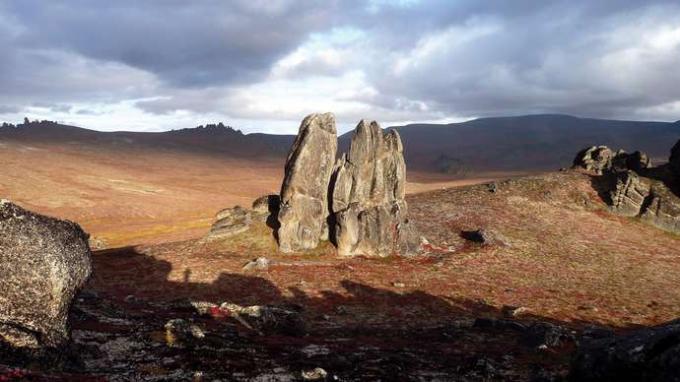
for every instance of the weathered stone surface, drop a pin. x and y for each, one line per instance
(304, 193)
(597, 159)
(650, 354)
(229, 222)
(662, 209)
(371, 215)
(43, 262)
(266, 204)
(636, 161)
(629, 195)
(601, 159)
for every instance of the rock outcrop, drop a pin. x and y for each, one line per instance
(674, 160)
(230, 222)
(370, 212)
(630, 193)
(597, 159)
(304, 193)
(601, 159)
(636, 189)
(650, 354)
(43, 263)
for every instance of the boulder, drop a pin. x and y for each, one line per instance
(368, 189)
(230, 222)
(304, 193)
(601, 159)
(43, 262)
(650, 354)
(597, 159)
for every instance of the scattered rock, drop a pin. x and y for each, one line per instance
(230, 222)
(650, 354)
(484, 237)
(261, 263)
(371, 214)
(316, 374)
(180, 334)
(304, 193)
(267, 319)
(43, 263)
(514, 311)
(546, 334)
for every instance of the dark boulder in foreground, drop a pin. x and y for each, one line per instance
(43, 263)
(650, 354)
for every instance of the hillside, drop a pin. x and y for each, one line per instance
(527, 143)
(127, 188)
(564, 267)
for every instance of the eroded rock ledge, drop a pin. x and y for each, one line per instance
(632, 187)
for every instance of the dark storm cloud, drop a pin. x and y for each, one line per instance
(417, 59)
(187, 43)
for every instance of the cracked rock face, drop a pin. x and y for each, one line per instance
(630, 194)
(43, 262)
(368, 189)
(304, 193)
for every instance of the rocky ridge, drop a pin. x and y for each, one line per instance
(633, 188)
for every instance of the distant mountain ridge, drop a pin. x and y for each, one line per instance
(522, 143)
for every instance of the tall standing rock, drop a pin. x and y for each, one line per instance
(43, 262)
(368, 188)
(304, 193)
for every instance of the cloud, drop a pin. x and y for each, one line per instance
(264, 64)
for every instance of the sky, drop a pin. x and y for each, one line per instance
(262, 65)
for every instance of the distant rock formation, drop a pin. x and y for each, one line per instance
(635, 188)
(371, 215)
(601, 159)
(358, 203)
(304, 193)
(43, 262)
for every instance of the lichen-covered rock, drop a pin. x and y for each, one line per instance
(304, 193)
(368, 188)
(662, 209)
(635, 161)
(266, 204)
(650, 354)
(597, 159)
(629, 195)
(43, 262)
(229, 222)
(601, 159)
